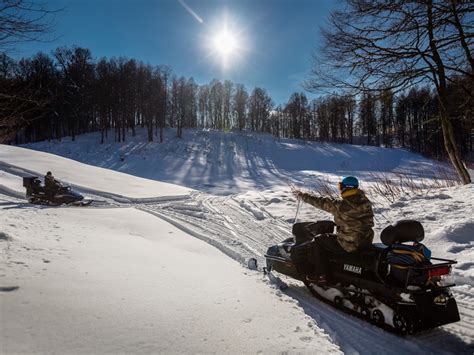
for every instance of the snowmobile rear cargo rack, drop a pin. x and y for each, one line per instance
(430, 271)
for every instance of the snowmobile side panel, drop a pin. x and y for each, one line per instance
(282, 266)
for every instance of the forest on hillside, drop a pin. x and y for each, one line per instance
(70, 93)
(391, 74)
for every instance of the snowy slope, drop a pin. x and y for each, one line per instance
(235, 162)
(242, 225)
(82, 175)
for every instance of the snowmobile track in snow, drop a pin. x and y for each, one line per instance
(222, 219)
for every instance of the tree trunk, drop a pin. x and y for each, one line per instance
(453, 150)
(446, 124)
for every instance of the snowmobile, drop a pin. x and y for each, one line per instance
(394, 293)
(37, 194)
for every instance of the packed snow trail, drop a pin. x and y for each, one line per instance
(248, 230)
(100, 198)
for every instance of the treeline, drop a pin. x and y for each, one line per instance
(399, 45)
(409, 119)
(69, 93)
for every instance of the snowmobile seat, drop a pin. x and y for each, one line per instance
(308, 230)
(406, 230)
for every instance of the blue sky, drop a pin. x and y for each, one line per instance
(275, 37)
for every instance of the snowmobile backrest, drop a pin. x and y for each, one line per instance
(30, 181)
(406, 230)
(32, 185)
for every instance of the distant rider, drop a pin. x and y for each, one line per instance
(354, 219)
(51, 185)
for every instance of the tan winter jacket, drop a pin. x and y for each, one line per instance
(353, 216)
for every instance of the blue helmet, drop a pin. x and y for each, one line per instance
(349, 182)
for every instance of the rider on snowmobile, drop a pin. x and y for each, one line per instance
(51, 185)
(354, 219)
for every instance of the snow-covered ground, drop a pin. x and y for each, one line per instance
(121, 281)
(115, 278)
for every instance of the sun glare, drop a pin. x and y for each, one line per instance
(225, 43)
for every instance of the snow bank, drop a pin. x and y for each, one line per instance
(11, 185)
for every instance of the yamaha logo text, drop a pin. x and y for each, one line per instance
(352, 268)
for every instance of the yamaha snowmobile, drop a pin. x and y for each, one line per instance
(393, 285)
(37, 194)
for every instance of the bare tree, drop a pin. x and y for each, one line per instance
(23, 21)
(240, 105)
(397, 44)
(260, 105)
(203, 105)
(227, 92)
(20, 21)
(297, 109)
(162, 76)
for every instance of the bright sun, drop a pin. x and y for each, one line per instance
(225, 43)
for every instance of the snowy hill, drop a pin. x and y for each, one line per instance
(85, 176)
(107, 278)
(224, 163)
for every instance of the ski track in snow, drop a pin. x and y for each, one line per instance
(243, 229)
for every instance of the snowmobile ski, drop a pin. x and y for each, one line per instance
(252, 264)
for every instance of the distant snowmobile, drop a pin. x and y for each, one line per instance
(391, 284)
(37, 194)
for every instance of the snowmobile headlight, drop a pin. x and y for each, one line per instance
(441, 299)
